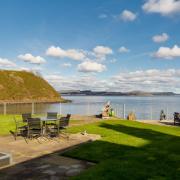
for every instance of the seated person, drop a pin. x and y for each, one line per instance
(106, 111)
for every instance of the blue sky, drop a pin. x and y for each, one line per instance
(113, 45)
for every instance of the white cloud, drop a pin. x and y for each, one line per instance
(123, 49)
(66, 64)
(98, 53)
(32, 59)
(102, 50)
(168, 53)
(6, 63)
(102, 16)
(76, 82)
(74, 54)
(163, 7)
(127, 15)
(160, 38)
(149, 80)
(30, 68)
(89, 66)
(144, 80)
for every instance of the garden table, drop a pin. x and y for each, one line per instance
(46, 120)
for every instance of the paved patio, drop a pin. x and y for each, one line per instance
(41, 159)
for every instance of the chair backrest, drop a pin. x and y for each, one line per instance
(64, 121)
(52, 115)
(34, 123)
(26, 116)
(176, 116)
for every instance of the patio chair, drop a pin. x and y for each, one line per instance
(25, 116)
(64, 121)
(34, 128)
(53, 129)
(20, 129)
(52, 115)
(176, 118)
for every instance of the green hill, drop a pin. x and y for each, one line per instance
(22, 86)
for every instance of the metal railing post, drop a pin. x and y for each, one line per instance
(60, 108)
(32, 108)
(124, 111)
(167, 116)
(5, 108)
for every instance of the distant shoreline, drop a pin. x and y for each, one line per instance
(104, 93)
(122, 95)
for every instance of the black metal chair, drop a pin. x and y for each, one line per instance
(25, 116)
(176, 118)
(64, 121)
(52, 115)
(34, 128)
(20, 129)
(53, 129)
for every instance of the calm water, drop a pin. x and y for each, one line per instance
(144, 107)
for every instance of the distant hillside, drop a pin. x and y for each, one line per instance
(107, 93)
(22, 86)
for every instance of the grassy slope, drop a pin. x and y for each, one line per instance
(25, 86)
(130, 150)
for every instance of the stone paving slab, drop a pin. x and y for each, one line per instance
(41, 160)
(50, 167)
(21, 150)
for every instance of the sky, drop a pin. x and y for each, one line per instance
(101, 45)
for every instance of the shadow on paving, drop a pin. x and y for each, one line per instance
(51, 166)
(158, 158)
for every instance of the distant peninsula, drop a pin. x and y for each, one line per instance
(106, 93)
(26, 87)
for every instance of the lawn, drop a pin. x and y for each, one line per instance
(130, 150)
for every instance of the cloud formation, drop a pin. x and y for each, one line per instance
(160, 38)
(168, 53)
(123, 49)
(90, 66)
(100, 52)
(127, 15)
(6, 63)
(74, 54)
(32, 59)
(144, 80)
(163, 7)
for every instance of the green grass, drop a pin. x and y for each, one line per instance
(130, 150)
